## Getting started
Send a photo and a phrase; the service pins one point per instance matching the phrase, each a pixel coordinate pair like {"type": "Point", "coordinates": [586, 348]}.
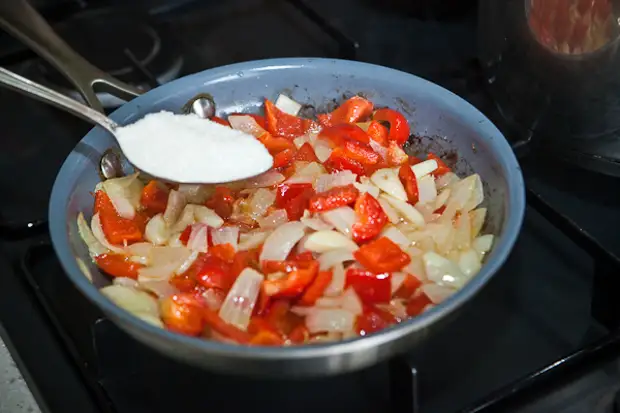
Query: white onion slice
{"type": "Point", "coordinates": [246, 124]}
{"type": "Point", "coordinates": [241, 299]}
{"type": "Point", "coordinates": [330, 320]}
{"type": "Point", "coordinates": [300, 140]}
{"type": "Point", "coordinates": [126, 282]}
{"type": "Point", "coordinates": [387, 180]}
{"type": "Point", "coordinates": [323, 241]}
{"type": "Point", "coordinates": [316, 223]}
{"type": "Point", "coordinates": [336, 286]}
{"type": "Point", "coordinates": [446, 180]}
{"type": "Point", "coordinates": [331, 258]}
{"type": "Point", "coordinates": [176, 203]}
{"type": "Point", "coordinates": [422, 169]}
{"type": "Point", "coordinates": [341, 218]}
{"type": "Point", "coordinates": [175, 240]}
{"type": "Point", "coordinates": [476, 217]}
{"type": "Point", "coordinates": [273, 220]}
{"type": "Point", "coordinates": [328, 181]}
{"type": "Point", "coordinates": [124, 193]}
{"type": "Point", "coordinates": [95, 247]}
{"type": "Point", "coordinates": [392, 214]}
{"type": "Point", "coordinates": [187, 263]}
{"type": "Point", "coordinates": [251, 240]}
{"type": "Point", "coordinates": [397, 279]}
{"type": "Point", "coordinates": [131, 300]}
{"type": "Point", "coordinates": [328, 302]}
{"type": "Point", "coordinates": [300, 180]}
{"type": "Point", "coordinates": [281, 241]}
{"type": "Point", "coordinates": [462, 234]}
{"type": "Point", "coordinates": [406, 209]}
{"type": "Point", "coordinates": [97, 231]}
{"type": "Point", "coordinates": [368, 188]}
{"type": "Point", "coordinates": [416, 267]}
{"type": "Point", "coordinates": [161, 288]}
{"type": "Point", "coordinates": [187, 218]}
{"type": "Point", "coordinates": [265, 180]}
{"type": "Point", "coordinates": [225, 235]}
{"type": "Point", "coordinates": [437, 293]}
{"type": "Point", "coordinates": [207, 216]}
{"type": "Point", "coordinates": [483, 244]}
{"type": "Point", "coordinates": [287, 105]}
{"type": "Point", "coordinates": [441, 199]}
{"type": "Point", "coordinates": [469, 262]}
{"type": "Point", "coordinates": [322, 150]}
{"type": "Point", "coordinates": [195, 193]}
{"type": "Point", "coordinates": [260, 201]}
{"type": "Point", "coordinates": [443, 271]}
{"type": "Point", "coordinates": [396, 235]}
{"type": "Point", "coordinates": [351, 302]}
{"type": "Point", "coordinates": [377, 147]}
{"type": "Point", "coordinates": [140, 249]}
{"type": "Point", "coordinates": [156, 231]}
{"type": "Point", "coordinates": [198, 238]}
{"type": "Point", "coordinates": [427, 192]}
{"type": "Point", "coordinates": [213, 299]}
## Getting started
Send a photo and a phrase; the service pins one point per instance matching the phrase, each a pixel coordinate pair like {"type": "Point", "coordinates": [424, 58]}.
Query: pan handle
{"type": "Point", "coordinates": [20, 19]}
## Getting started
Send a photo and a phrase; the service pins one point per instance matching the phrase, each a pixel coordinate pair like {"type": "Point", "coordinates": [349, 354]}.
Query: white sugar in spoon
{"type": "Point", "coordinates": [177, 148]}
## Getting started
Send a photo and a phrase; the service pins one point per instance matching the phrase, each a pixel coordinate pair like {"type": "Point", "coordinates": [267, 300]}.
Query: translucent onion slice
{"type": "Point", "coordinates": [273, 220]}
{"type": "Point", "coordinates": [422, 169]}
{"type": "Point", "coordinates": [469, 262]}
{"type": "Point", "coordinates": [241, 299]}
{"type": "Point", "coordinates": [176, 203]}
{"type": "Point", "coordinates": [341, 218]}
{"type": "Point", "coordinates": [130, 299]}
{"type": "Point", "coordinates": [396, 235]}
{"type": "Point", "coordinates": [126, 282]}
{"type": "Point", "coordinates": [315, 223]}
{"type": "Point", "coordinates": [196, 194]}
{"type": "Point", "coordinates": [322, 150]}
{"type": "Point", "coordinates": [350, 301]}
{"type": "Point", "coordinates": [331, 258]}
{"type": "Point", "coordinates": [207, 216]}
{"type": "Point", "coordinates": [476, 217]}
{"type": "Point", "coordinates": [328, 181]}
{"type": "Point", "coordinates": [336, 286]}
{"type": "Point", "coordinates": [185, 219]}
{"type": "Point", "coordinates": [427, 192]}
{"type": "Point", "coordinates": [260, 201]}
{"type": "Point", "coordinates": [246, 124]}
{"type": "Point", "coordinates": [333, 320]}
{"type": "Point", "coordinates": [213, 299]}
{"type": "Point", "coordinates": [156, 231]}
{"type": "Point", "coordinates": [95, 247]}
{"type": "Point", "coordinates": [397, 279]}
{"type": "Point", "coordinates": [281, 241]}
{"type": "Point", "coordinates": [406, 210]}
{"type": "Point", "coordinates": [161, 288]}
{"type": "Point", "coordinates": [124, 193]}
{"type": "Point", "coordinates": [97, 231]}
{"type": "Point", "coordinates": [442, 271]}
{"type": "Point", "coordinates": [265, 180]}
{"type": "Point", "coordinates": [287, 105]}
{"type": "Point", "coordinates": [387, 180]}
{"type": "Point", "coordinates": [323, 241]}
{"type": "Point", "coordinates": [251, 240]}
{"type": "Point", "coordinates": [446, 180]}
{"type": "Point", "coordinates": [198, 238]}
{"type": "Point", "coordinates": [225, 235]}
{"type": "Point", "coordinates": [483, 244]}
{"type": "Point", "coordinates": [462, 234]}
{"type": "Point", "coordinates": [369, 188]}
{"type": "Point", "coordinates": [437, 293]}
{"type": "Point", "coordinates": [381, 150]}
{"type": "Point", "coordinates": [391, 213]}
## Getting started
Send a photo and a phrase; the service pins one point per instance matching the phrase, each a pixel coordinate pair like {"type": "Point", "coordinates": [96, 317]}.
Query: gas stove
{"type": "Point", "coordinates": [543, 336]}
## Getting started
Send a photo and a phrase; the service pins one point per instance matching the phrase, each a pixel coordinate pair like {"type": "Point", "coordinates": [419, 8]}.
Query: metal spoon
{"type": "Point", "coordinates": [109, 164]}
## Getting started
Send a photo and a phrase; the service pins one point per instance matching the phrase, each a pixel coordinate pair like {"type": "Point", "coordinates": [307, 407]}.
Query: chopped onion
{"type": "Point", "coordinates": [246, 124]}
{"type": "Point", "coordinates": [442, 198]}
{"type": "Point", "coordinates": [140, 249]}
{"type": "Point", "coordinates": [300, 140]}
{"type": "Point", "coordinates": [95, 247]}
{"type": "Point", "coordinates": [165, 261]}
{"type": "Point", "coordinates": [175, 240]}
{"type": "Point", "coordinates": [322, 150]}
{"type": "Point", "coordinates": [176, 203]}
{"type": "Point", "coordinates": [312, 170]}
{"type": "Point", "coordinates": [265, 180]}
{"type": "Point", "coordinates": [329, 302]}
{"type": "Point", "coordinates": [261, 201]}
{"type": "Point", "coordinates": [341, 218]}
{"type": "Point", "coordinates": [187, 263]}
{"type": "Point", "coordinates": [387, 180]}
{"type": "Point", "coordinates": [281, 241]}
{"type": "Point", "coordinates": [198, 238]}
{"type": "Point", "coordinates": [406, 209]}
{"type": "Point", "coordinates": [443, 271]}
{"type": "Point", "coordinates": [151, 319]}
{"type": "Point", "coordinates": [437, 293]}
{"type": "Point", "coordinates": [416, 267]}
{"type": "Point", "coordinates": [396, 235]}
{"type": "Point", "coordinates": [462, 235]}
{"type": "Point", "coordinates": [241, 299]}
{"type": "Point", "coordinates": [196, 194]}
{"type": "Point", "coordinates": [381, 150]}
{"type": "Point", "coordinates": [351, 302]}
{"type": "Point", "coordinates": [130, 299]}
{"type": "Point", "coordinates": [273, 220]}
{"type": "Point", "coordinates": [187, 218]}
{"type": "Point", "coordinates": [477, 195]}
{"type": "Point", "coordinates": [156, 231]}
{"type": "Point", "coordinates": [213, 299]}
{"type": "Point", "coordinates": [328, 181]}
{"type": "Point", "coordinates": [483, 244]}
{"type": "Point", "coordinates": [442, 235]}
{"type": "Point", "coordinates": [397, 308]}
{"type": "Point", "coordinates": [330, 320]}
{"type": "Point", "coordinates": [469, 262]}
{"type": "Point", "coordinates": [207, 216]}
{"type": "Point", "coordinates": [161, 288]}
{"type": "Point", "coordinates": [391, 213]}
{"type": "Point", "coordinates": [338, 281]}
{"type": "Point", "coordinates": [97, 231]}
{"type": "Point", "coordinates": [300, 180]}
{"type": "Point", "coordinates": [330, 258]}
{"type": "Point", "coordinates": [427, 192]}
{"type": "Point", "coordinates": [368, 188]}
{"type": "Point", "coordinates": [476, 217]}
{"type": "Point", "coordinates": [287, 105]}
{"type": "Point", "coordinates": [323, 241]}
{"type": "Point", "coordinates": [126, 282]}
{"type": "Point", "coordinates": [124, 193]}
{"type": "Point", "coordinates": [251, 240]}
{"type": "Point", "coordinates": [225, 235]}
{"type": "Point", "coordinates": [316, 223]}
{"type": "Point", "coordinates": [466, 194]}
{"type": "Point", "coordinates": [397, 279]}
{"type": "Point", "coordinates": [446, 180]}
{"type": "Point", "coordinates": [422, 169]}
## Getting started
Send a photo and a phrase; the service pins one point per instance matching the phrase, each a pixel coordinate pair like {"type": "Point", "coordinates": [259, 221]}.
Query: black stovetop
{"type": "Point", "coordinates": [542, 337]}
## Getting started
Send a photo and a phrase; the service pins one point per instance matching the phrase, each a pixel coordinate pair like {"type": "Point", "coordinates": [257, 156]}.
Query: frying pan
{"type": "Point", "coordinates": [446, 122]}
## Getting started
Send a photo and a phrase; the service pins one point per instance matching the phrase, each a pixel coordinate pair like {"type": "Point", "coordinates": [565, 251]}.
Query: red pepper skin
{"type": "Point", "coordinates": [184, 237]}
{"type": "Point", "coordinates": [360, 152]}
{"type": "Point", "coordinates": [370, 287]}
{"type": "Point", "coordinates": [338, 161]}
{"type": "Point", "coordinates": [378, 133]}
{"type": "Point", "coordinates": [353, 110]}
{"type": "Point", "coordinates": [221, 121]}
{"type": "Point", "coordinates": [371, 218]}
{"type": "Point", "coordinates": [442, 168]}
{"type": "Point", "coordinates": [266, 338]}
{"type": "Point", "coordinates": [282, 124]}
{"type": "Point", "coordinates": [118, 265]}
{"type": "Point", "coordinates": [274, 144]}
{"type": "Point", "coordinates": [316, 289]}
{"type": "Point", "coordinates": [382, 255]}
{"type": "Point", "coordinates": [299, 334]}
{"type": "Point", "coordinates": [408, 287]}
{"type": "Point", "coordinates": [410, 182]}
{"type": "Point", "coordinates": [260, 120]}
{"type": "Point", "coordinates": [295, 207]}
{"type": "Point", "coordinates": [284, 158]}
{"type": "Point", "coordinates": [222, 201]}
{"type": "Point", "coordinates": [287, 192]}
{"type": "Point", "coordinates": [116, 229]}
{"type": "Point", "coordinates": [229, 331]}
{"type": "Point", "coordinates": [295, 281]}
{"type": "Point", "coordinates": [183, 313]}
{"type": "Point", "coordinates": [416, 305]}
{"type": "Point", "coordinates": [373, 319]}
{"type": "Point", "coordinates": [334, 198]}
{"type": "Point", "coordinates": [339, 133]}
{"type": "Point", "coordinates": [414, 160]}
{"type": "Point", "coordinates": [399, 127]}
{"type": "Point", "coordinates": [154, 198]}
{"type": "Point", "coordinates": [306, 154]}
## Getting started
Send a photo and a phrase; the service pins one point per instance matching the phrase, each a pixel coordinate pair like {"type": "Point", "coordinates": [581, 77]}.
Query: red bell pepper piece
{"type": "Point", "coordinates": [338, 161]}
{"type": "Point", "coordinates": [306, 154]}
{"type": "Point", "coordinates": [417, 304]}
{"type": "Point", "coordinates": [266, 338]}
{"type": "Point", "coordinates": [360, 152]}
{"type": "Point", "coordinates": [154, 197]}
{"type": "Point", "coordinates": [399, 127]}
{"type": "Point", "coordinates": [243, 260]}
{"type": "Point", "coordinates": [221, 201]}
{"type": "Point", "coordinates": [339, 133]}
{"type": "Point", "coordinates": [270, 266]}
{"type": "Point", "coordinates": [442, 168]}
{"type": "Point", "coordinates": [371, 218]}
{"type": "Point", "coordinates": [334, 198]}
{"type": "Point", "coordinates": [304, 256]}
{"type": "Point", "coordinates": [184, 237]}
{"type": "Point", "coordinates": [295, 281]}
{"type": "Point", "coordinates": [409, 286]}
{"type": "Point", "coordinates": [413, 160]}
{"type": "Point", "coordinates": [355, 109]}
{"type": "Point", "coordinates": [373, 319]}
{"type": "Point", "coordinates": [118, 265]}
{"type": "Point", "coordinates": [410, 182]}
{"type": "Point", "coordinates": [116, 229]}
{"type": "Point", "coordinates": [183, 283]}
{"type": "Point", "coordinates": [316, 289]}
{"type": "Point", "coordinates": [210, 271]}
{"type": "Point", "coordinates": [224, 252]}
{"type": "Point", "coordinates": [223, 328]}
{"type": "Point", "coordinates": [219, 120]}
{"type": "Point", "coordinates": [275, 144]}
{"type": "Point", "coordinates": [395, 155]}
{"type": "Point", "coordinates": [299, 335]}
{"type": "Point", "coordinates": [295, 207]}
{"type": "Point", "coordinates": [287, 192]}
{"type": "Point", "coordinates": [378, 133]}
{"type": "Point", "coordinates": [281, 318]}
{"type": "Point", "coordinates": [284, 158]}
{"type": "Point", "coordinates": [282, 124]}
{"type": "Point", "coordinates": [183, 313]}
{"type": "Point", "coordinates": [382, 255]}
{"type": "Point", "coordinates": [369, 286]}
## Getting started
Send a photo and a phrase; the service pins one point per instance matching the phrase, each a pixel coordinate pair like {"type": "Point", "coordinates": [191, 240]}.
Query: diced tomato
{"type": "Point", "coordinates": [275, 144]}
{"type": "Point", "coordinates": [442, 168]}
{"type": "Point", "coordinates": [382, 255]}
{"type": "Point", "coordinates": [306, 154]}
{"type": "Point", "coordinates": [154, 197]}
{"type": "Point", "coordinates": [118, 265]}
{"type": "Point", "coordinates": [409, 181]}
{"type": "Point", "coordinates": [219, 120]}
{"type": "Point", "coordinates": [378, 133]}
{"type": "Point", "coordinates": [183, 313]}
{"type": "Point", "coordinates": [334, 198]}
{"type": "Point", "coordinates": [221, 201]}
{"type": "Point", "coordinates": [280, 123]}
{"type": "Point", "coordinates": [399, 127]}
{"type": "Point", "coordinates": [266, 338]}
{"type": "Point", "coordinates": [369, 286]}
{"type": "Point", "coordinates": [284, 158]}
{"type": "Point", "coordinates": [342, 132]}
{"type": "Point", "coordinates": [287, 192]}
{"type": "Point", "coordinates": [116, 229]}
{"type": "Point", "coordinates": [395, 155]}
{"type": "Point", "coordinates": [338, 161]}
{"type": "Point", "coordinates": [184, 237]}
{"type": "Point", "coordinates": [355, 109]}
{"type": "Point", "coordinates": [360, 152]}
{"type": "Point", "coordinates": [408, 287]}
{"type": "Point", "coordinates": [299, 334]}
{"type": "Point", "coordinates": [213, 320]}
{"type": "Point", "coordinates": [295, 281]}
{"type": "Point", "coordinates": [370, 218]}
{"type": "Point", "coordinates": [373, 319]}
{"type": "Point", "coordinates": [316, 289]}
{"type": "Point", "coordinates": [224, 252]}
{"type": "Point", "coordinates": [417, 304]}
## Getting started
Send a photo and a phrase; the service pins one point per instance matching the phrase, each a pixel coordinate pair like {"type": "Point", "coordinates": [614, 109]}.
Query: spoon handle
{"type": "Point", "coordinates": [32, 89]}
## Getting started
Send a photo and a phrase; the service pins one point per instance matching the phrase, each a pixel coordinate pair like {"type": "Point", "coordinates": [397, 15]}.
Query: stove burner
{"type": "Point", "coordinates": [119, 42]}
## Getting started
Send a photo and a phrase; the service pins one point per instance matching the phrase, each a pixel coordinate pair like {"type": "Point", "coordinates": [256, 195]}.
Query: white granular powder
{"type": "Point", "coordinates": [188, 149]}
